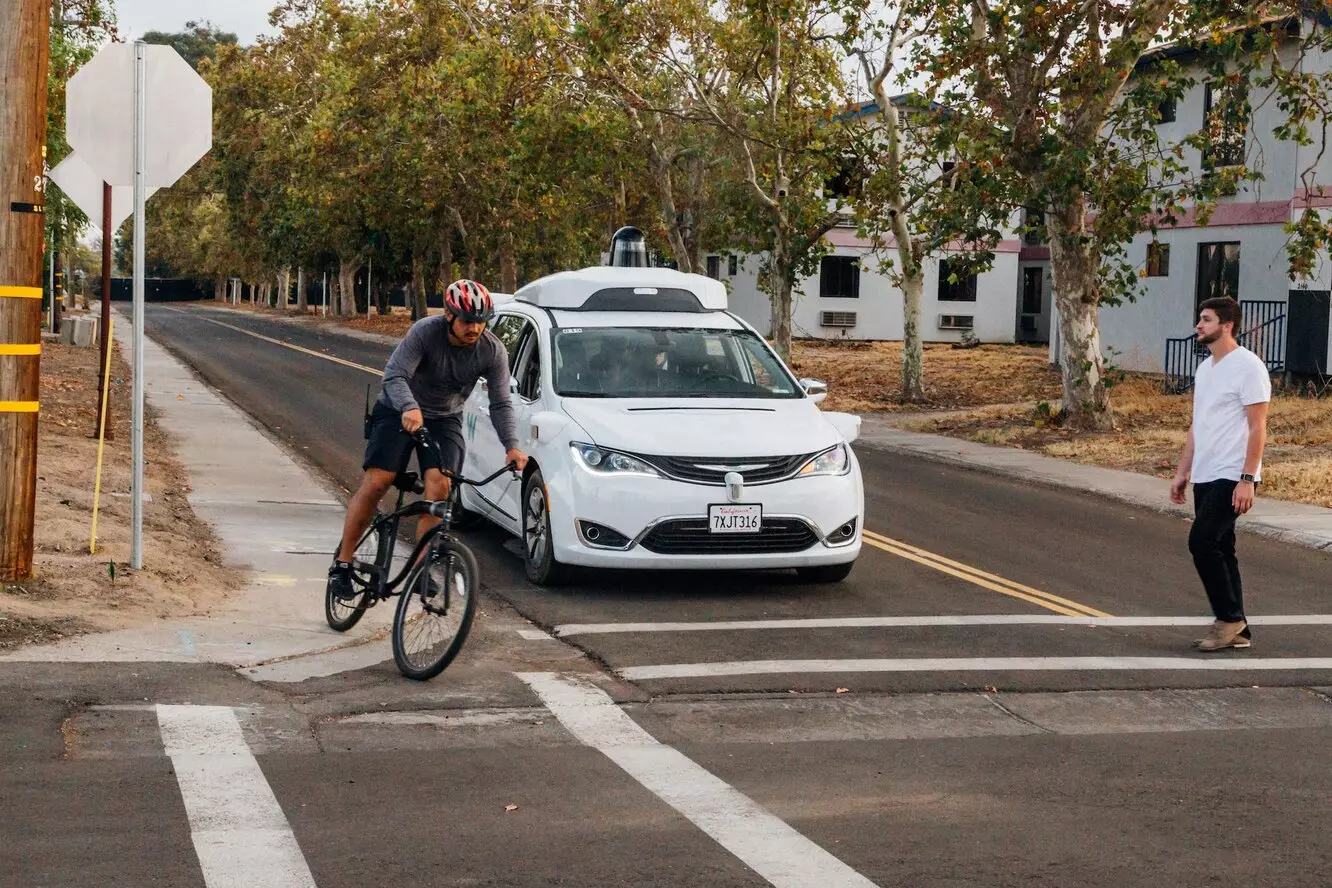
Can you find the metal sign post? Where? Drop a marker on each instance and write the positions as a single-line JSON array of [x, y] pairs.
[[136, 433]]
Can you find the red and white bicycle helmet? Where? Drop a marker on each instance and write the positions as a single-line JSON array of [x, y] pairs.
[[470, 301]]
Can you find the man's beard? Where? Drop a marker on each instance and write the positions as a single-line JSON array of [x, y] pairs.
[[1208, 340]]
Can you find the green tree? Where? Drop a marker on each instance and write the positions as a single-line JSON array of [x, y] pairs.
[[199, 41]]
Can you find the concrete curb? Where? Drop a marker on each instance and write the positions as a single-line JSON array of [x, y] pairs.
[[1298, 523]]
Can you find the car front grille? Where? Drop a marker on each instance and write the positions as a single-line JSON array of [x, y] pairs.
[[713, 470], [690, 536]]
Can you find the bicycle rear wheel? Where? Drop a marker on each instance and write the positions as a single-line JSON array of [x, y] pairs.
[[342, 614], [435, 611]]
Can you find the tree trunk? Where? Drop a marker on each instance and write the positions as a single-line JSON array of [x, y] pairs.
[[219, 289], [416, 290], [284, 290], [469, 249], [780, 293], [508, 263], [302, 303], [344, 302], [1077, 297], [913, 351], [445, 275], [383, 296]]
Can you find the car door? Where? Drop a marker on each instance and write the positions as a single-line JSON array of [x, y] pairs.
[[529, 387], [485, 453]]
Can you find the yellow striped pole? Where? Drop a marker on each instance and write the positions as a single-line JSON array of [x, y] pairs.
[[101, 446]]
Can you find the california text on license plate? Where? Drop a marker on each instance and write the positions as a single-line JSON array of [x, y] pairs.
[[735, 519]]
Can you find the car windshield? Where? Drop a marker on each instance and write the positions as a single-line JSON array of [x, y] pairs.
[[656, 362]]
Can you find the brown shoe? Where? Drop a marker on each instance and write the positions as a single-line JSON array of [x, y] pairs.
[[1224, 635]]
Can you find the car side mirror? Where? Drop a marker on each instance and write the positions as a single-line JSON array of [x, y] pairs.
[[815, 388]]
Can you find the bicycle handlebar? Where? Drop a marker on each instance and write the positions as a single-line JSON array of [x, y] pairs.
[[424, 437]]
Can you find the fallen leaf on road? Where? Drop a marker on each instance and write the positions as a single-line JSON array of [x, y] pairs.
[[510, 807], [991, 689], [843, 690]]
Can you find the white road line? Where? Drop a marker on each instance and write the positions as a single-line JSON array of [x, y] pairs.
[[240, 834], [1225, 663], [943, 620], [534, 635], [762, 841]]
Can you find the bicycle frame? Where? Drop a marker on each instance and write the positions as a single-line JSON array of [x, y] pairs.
[[387, 525]]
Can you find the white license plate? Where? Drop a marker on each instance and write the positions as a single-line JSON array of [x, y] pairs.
[[735, 519]]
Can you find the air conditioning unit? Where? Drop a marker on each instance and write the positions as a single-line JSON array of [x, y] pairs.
[[837, 319], [957, 322]]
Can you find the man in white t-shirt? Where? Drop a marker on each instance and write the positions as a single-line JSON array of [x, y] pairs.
[[1224, 459]]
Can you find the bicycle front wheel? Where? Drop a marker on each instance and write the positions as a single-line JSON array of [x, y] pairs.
[[435, 611]]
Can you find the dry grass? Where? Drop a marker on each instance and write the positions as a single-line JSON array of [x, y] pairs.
[[868, 376]]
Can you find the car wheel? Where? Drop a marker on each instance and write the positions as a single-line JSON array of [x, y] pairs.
[[538, 546], [825, 573]]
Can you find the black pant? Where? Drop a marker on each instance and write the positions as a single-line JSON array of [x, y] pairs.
[[1212, 543]]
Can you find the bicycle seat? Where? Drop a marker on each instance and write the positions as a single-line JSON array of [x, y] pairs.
[[409, 482]]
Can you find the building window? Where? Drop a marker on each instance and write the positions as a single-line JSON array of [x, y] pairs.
[[1158, 260], [1033, 283], [732, 265], [1034, 225], [714, 267], [1225, 124], [955, 287], [1218, 271], [845, 183], [839, 276], [1166, 111]]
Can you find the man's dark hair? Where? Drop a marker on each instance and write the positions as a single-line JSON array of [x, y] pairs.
[[1227, 311]]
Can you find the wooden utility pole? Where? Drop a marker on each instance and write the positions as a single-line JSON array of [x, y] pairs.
[[25, 49]]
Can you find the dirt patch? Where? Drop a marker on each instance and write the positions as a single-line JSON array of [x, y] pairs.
[[1150, 431], [75, 591]]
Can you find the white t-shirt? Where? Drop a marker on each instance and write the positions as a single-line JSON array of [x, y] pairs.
[[1221, 391]]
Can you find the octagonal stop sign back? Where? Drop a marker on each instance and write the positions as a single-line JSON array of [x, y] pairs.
[[178, 119]]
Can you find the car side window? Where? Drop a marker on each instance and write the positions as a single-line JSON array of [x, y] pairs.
[[527, 369], [508, 329]]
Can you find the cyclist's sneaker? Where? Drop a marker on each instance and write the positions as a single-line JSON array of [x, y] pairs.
[[340, 581]]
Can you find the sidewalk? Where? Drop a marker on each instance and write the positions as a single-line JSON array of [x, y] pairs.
[[274, 520], [1297, 523]]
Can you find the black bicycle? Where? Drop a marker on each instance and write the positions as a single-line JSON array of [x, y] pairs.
[[436, 587]]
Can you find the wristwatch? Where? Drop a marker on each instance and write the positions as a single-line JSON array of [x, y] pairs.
[[1247, 477]]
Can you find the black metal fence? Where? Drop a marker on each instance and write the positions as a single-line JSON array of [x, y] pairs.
[[1263, 333]]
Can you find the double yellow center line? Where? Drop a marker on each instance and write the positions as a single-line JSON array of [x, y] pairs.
[[979, 577]]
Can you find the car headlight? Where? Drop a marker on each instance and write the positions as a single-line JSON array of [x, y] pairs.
[[830, 462], [611, 462]]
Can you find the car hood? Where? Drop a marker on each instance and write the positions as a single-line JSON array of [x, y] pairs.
[[718, 428]]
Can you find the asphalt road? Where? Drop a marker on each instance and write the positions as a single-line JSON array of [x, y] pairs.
[[527, 765]]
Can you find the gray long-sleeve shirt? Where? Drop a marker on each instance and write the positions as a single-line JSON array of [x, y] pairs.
[[428, 373]]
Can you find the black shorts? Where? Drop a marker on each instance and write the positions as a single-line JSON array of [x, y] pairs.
[[390, 447]]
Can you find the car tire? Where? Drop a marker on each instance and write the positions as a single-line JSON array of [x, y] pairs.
[[825, 573], [538, 545]]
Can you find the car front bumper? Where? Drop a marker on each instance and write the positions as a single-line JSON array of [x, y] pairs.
[[663, 522]]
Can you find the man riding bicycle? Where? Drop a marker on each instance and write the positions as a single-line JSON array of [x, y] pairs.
[[426, 381]]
